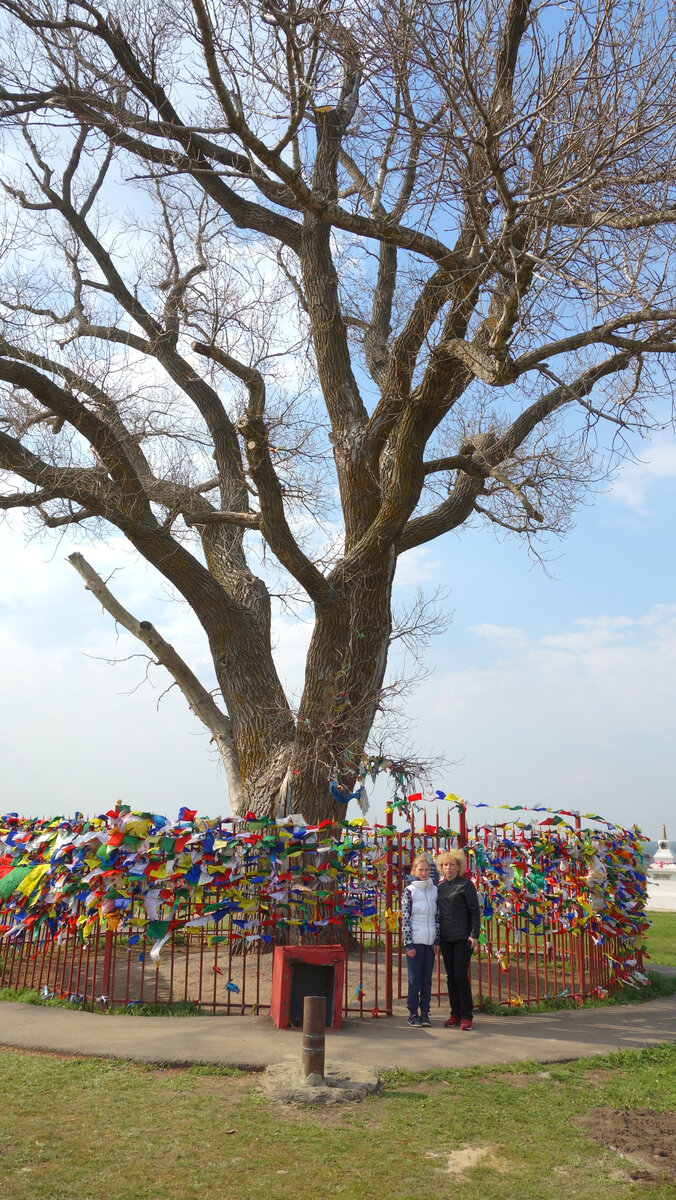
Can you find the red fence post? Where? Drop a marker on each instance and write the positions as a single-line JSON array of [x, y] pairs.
[[389, 957], [580, 939], [108, 943], [107, 959]]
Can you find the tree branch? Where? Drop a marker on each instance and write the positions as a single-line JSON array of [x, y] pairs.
[[75, 518], [449, 515], [200, 700], [85, 486], [607, 334], [30, 499], [565, 393], [246, 520], [611, 219], [462, 461], [109, 451], [272, 521], [161, 344], [490, 452], [521, 496]]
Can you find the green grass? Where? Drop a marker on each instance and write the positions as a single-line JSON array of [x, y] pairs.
[[661, 938], [73, 1128], [659, 987], [30, 996], [179, 1008]]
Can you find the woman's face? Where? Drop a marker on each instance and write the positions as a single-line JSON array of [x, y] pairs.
[[421, 870], [449, 868]]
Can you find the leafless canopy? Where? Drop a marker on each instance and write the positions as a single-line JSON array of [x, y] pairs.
[[260, 254]]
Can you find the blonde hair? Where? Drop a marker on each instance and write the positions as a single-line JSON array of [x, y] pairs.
[[456, 856], [420, 858]]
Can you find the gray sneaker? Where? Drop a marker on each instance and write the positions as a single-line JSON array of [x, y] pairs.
[[414, 1019], [425, 1019]]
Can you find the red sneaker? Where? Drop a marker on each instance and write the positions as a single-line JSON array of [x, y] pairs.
[[452, 1022], [465, 1024]]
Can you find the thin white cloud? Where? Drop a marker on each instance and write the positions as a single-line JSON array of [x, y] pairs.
[[656, 462], [499, 633], [419, 566]]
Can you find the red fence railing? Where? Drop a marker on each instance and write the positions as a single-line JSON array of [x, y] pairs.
[[538, 937]]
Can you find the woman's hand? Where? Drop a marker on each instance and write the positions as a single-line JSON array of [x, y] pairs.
[[411, 953], [474, 942]]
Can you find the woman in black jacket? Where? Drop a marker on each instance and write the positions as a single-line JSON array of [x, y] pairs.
[[459, 925]]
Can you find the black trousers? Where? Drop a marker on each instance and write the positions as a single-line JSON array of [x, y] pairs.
[[456, 956]]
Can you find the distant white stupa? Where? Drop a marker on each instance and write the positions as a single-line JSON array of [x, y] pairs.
[[663, 865], [661, 878]]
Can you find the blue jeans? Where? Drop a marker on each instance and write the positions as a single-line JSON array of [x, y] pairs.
[[420, 979]]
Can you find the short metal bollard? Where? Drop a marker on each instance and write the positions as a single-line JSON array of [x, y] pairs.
[[314, 1024]]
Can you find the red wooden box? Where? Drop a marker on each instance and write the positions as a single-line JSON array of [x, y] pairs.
[[299, 971]]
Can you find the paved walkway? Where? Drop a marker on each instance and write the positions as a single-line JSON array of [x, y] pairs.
[[255, 1042]]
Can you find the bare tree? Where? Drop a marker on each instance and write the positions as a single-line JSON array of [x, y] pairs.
[[260, 253]]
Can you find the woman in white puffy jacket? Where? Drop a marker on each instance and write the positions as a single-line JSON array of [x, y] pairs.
[[420, 928]]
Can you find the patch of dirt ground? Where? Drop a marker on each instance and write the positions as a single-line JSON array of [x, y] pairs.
[[646, 1137], [461, 1161]]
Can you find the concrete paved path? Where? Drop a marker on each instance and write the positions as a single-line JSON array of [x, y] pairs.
[[254, 1042]]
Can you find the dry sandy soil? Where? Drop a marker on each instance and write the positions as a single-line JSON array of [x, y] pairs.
[[647, 1139]]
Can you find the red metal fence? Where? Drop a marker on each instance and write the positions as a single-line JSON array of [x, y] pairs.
[[222, 970]]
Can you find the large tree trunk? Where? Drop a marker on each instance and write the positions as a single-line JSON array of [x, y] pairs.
[[344, 676], [263, 727]]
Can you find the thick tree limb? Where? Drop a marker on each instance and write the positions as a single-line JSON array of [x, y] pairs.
[[462, 461], [612, 219], [30, 499], [200, 700], [607, 334], [245, 520], [494, 451], [109, 451], [273, 523], [434, 294], [86, 486], [449, 515]]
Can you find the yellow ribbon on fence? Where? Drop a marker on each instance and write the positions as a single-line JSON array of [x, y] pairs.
[[32, 879], [391, 920]]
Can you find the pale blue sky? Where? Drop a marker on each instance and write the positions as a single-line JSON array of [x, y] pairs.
[[545, 690]]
